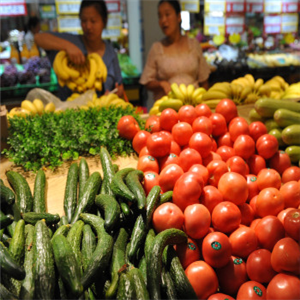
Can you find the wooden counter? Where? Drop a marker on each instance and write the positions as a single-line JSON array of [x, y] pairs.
[[56, 180]]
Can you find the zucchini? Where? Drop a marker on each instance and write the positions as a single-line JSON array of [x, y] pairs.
[[126, 288], [108, 171], [7, 196], [285, 117], [294, 153], [141, 291], [84, 174], [24, 199], [5, 220], [39, 200], [291, 134], [33, 217], [271, 124], [88, 245], [277, 133], [70, 197]]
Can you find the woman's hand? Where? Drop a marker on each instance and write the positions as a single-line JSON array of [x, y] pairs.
[[166, 86], [75, 55]]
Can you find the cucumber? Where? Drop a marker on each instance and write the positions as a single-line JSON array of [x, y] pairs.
[[88, 245], [126, 288], [277, 133], [254, 116], [112, 289], [271, 124], [294, 153], [153, 200], [166, 197], [111, 208], [291, 134], [108, 171], [164, 238], [63, 221], [285, 117], [24, 199], [67, 265], [5, 220], [7, 196], [168, 285], [33, 217], [44, 268], [6, 294], [91, 188], [143, 268], [63, 229], [84, 174], [70, 197], [116, 168], [39, 200], [141, 291]]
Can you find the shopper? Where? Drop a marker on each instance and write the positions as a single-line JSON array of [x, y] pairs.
[[33, 27], [176, 58], [93, 17]]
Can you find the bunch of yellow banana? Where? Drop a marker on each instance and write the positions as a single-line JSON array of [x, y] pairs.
[[278, 86], [292, 91], [73, 96], [80, 78]]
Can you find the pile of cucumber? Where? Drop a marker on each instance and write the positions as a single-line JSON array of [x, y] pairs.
[[282, 118], [104, 247]]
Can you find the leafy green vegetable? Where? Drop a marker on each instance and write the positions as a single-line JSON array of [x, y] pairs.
[[51, 138]]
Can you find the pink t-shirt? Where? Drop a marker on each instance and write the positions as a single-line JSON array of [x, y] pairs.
[[189, 67]]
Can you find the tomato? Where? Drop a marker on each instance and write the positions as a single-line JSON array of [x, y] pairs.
[[197, 220], [244, 146], [291, 224], [201, 170], [201, 142], [238, 165], [224, 140], [202, 124], [220, 296], [280, 161], [291, 173], [283, 286], [269, 202], [256, 163], [257, 129], [219, 125], [252, 186], [148, 163], [159, 144], [211, 156], [144, 151], [237, 128], [232, 276], [128, 127], [247, 212], [268, 178], [238, 119], [168, 177], [285, 256], [283, 213], [227, 108], [251, 290], [290, 192], [203, 109], [259, 266], [252, 203], [233, 186], [189, 157], [216, 249], [200, 271], [167, 215], [225, 152], [187, 190], [187, 252], [216, 169], [210, 197], [254, 223], [168, 118], [243, 241], [187, 113], [269, 230], [226, 217], [182, 133], [267, 145], [214, 145], [168, 160], [153, 123], [140, 140], [150, 180], [175, 148]]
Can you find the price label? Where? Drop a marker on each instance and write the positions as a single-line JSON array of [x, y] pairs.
[[255, 6], [214, 6], [47, 11], [12, 2], [114, 20], [272, 29], [113, 6], [272, 6], [289, 23], [69, 24], [272, 24], [190, 5], [13, 10], [235, 6], [68, 8], [289, 6]]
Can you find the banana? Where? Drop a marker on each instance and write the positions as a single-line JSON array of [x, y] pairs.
[[61, 82], [154, 110], [98, 85], [108, 98], [93, 69], [80, 80], [189, 93], [74, 74], [245, 92], [280, 80], [171, 103], [90, 104], [258, 83], [209, 95], [224, 87], [183, 90], [19, 111], [101, 67], [198, 91], [159, 101], [251, 98], [39, 105], [265, 90], [213, 103], [197, 100], [176, 91], [116, 102], [28, 105], [50, 107], [236, 92], [250, 79], [71, 85], [57, 65]]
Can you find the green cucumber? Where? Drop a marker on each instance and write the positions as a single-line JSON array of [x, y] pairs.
[[39, 200], [88, 245], [112, 289], [63, 221], [271, 124], [168, 285], [33, 217], [143, 268], [7, 196], [126, 288], [108, 171], [5, 220], [24, 199], [116, 168], [84, 174], [277, 133], [285, 117], [63, 229], [166, 197], [70, 197], [141, 291], [153, 200], [254, 116], [291, 134], [294, 153]]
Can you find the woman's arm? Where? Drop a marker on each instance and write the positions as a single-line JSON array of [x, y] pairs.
[[204, 84], [159, 86]]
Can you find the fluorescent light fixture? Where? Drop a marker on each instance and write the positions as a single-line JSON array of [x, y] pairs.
[[185, 20]]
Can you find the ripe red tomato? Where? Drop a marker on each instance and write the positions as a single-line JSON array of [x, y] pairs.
[[216, 249], [153, 124], [251, 290], [226, 217], [267, 145], [257, 129], [201, 142], [269, 202], [168, 118], [283, 286], [211, 156], [283, 213], [168, 160], [128, 127], [219, 125], [285, 256], [290, 192], [201, 170], [148, 163], [182, 133], [244, 146], [216, 169], [233, 186], [167, 215], [269, 230], [256, 163], [225, 152], [259, 266], [238, 165], [144, 151], [168, 177], [197, 220], [202, 124], [225, 140], [187, 190], [220, 296], [291, 173], [210, 197], [187, 113], [268, 178], [140, 140], [240, 237], [252, 203], [227, 108], [252, 186], [150, 180], [280, 161], [247, 212], [159, 144], [200, 271], [189, 157], [237, 127], [291, 224], [187, 252], [203, 109]]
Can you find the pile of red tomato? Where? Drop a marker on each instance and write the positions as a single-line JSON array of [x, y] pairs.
[[235, 194]]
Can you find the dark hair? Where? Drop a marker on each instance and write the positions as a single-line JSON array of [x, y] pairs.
[[33, 22], [174, 3], [99, 5]]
